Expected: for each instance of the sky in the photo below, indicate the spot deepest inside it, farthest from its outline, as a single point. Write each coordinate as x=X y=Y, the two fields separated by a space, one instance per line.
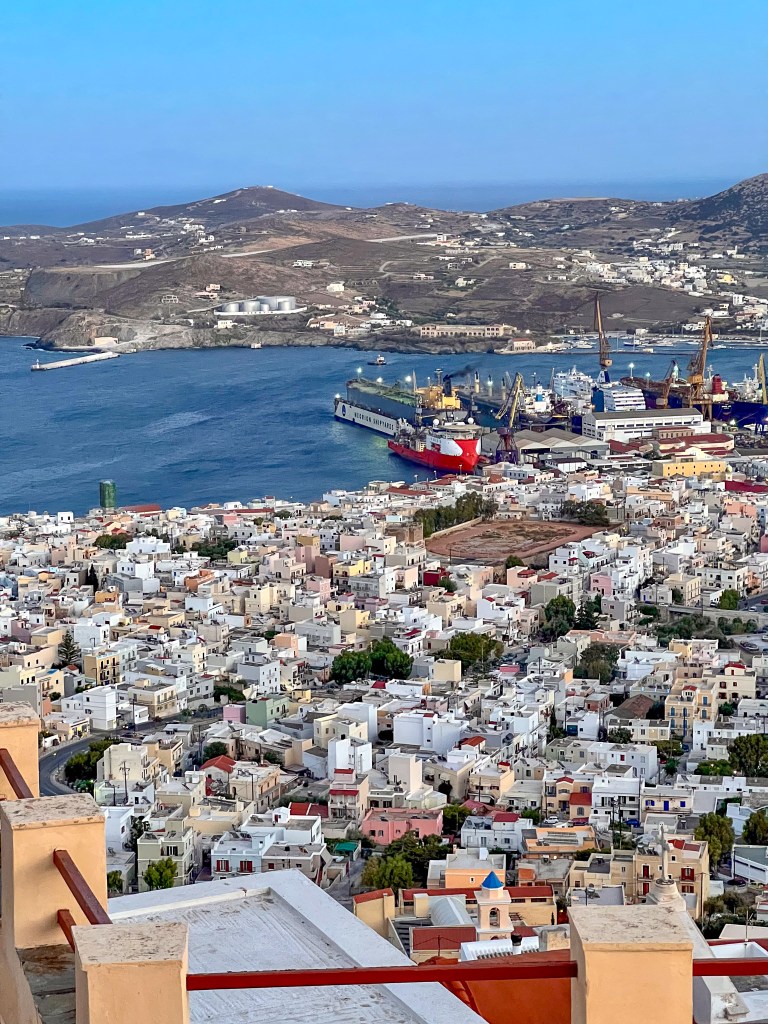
x=302 y=93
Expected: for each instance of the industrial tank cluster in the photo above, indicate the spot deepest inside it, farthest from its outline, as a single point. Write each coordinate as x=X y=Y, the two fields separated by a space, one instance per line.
x=261 y=304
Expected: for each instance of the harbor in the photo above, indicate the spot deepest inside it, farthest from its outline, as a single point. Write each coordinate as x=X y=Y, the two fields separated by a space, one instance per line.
x=61 y=364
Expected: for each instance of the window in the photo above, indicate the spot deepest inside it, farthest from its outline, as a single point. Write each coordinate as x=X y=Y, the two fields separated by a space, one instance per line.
x=222 y=865
x=246 y=865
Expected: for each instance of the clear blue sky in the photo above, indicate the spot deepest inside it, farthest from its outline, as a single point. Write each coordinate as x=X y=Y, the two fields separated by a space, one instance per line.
x=302 y=92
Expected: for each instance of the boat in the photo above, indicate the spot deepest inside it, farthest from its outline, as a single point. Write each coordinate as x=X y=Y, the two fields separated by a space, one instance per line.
x=445 y=449
x=572 y=384
x=378 y=361
x=383 y=408
x=255 y=344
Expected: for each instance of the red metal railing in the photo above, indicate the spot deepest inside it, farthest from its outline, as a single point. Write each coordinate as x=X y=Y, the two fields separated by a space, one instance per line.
x=477 y=970
x=14 y=776
x=84 y=895
x=518 y=970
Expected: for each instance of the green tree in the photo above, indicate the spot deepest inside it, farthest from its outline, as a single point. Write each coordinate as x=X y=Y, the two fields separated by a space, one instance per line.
x=718 y=768
x=620 y=735
x=727 y=710
x=388 y=873
x=677 y=595
x=513 y=561
x=92 y=579
x=272 y=758
x=388 y=661
x=749 y=755
x=586 y=617
x=532 y=813
x=215 y=749
x=598 y=662
x=449 y=585
x=113 y=541
x=670 y=767
x=465 y=508
x=233 y=695
x=160 y=874
x=755 y=831
x=82 y=766
x=138 y=827
x=454 y=816
x=559 y=617
x=350 y=665
x=69 y=652
x=216 y=549
x=418 y=853
x=717 y=831
x=588 y=513
x=115 y=883
x=473 y=649
x=729 y=600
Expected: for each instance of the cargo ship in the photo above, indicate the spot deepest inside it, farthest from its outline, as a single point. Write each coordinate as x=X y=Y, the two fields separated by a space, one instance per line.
x=444 y=449
x=384 y=408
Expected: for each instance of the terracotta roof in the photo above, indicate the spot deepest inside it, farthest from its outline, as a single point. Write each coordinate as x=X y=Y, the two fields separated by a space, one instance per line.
x=222 y=762
x=364 y=897
x=450 y=937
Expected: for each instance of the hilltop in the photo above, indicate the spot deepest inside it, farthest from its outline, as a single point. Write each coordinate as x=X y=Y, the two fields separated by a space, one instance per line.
x=142 y=276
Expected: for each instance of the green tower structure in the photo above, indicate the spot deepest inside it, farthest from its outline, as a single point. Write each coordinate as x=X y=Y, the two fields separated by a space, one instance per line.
x=107 y=494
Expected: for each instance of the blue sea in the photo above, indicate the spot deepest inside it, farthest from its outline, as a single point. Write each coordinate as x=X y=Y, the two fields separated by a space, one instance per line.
x=193 y=426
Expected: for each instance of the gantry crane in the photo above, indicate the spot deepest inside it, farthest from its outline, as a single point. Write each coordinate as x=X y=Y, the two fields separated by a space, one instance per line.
x=605 y=352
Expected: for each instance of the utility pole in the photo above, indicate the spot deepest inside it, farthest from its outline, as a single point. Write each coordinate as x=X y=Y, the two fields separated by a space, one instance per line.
x=125 y=769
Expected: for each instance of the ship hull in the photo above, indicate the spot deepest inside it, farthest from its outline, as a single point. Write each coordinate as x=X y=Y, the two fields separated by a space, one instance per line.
x=442 y=463
x=348 y=412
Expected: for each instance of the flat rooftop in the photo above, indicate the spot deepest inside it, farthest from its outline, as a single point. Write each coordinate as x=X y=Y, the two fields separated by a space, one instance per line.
x=282 y=921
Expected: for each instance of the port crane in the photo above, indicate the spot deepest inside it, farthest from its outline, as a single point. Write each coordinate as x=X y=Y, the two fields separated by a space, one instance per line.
x=507 y=449
x=696 y=370
x=761 y=378
x=605 y=352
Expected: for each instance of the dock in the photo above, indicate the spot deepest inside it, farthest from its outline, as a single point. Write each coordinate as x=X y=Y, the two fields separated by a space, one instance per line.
x=60 y=364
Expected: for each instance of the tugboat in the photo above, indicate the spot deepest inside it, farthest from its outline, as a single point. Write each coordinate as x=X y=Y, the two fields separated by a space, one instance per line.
x=446 y=448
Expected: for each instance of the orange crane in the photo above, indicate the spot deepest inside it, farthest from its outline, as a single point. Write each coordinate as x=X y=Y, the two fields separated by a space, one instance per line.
x=696 y=370
x=605 y=352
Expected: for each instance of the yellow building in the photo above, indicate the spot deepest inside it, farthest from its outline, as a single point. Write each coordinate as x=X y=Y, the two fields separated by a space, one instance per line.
x=688 y=467
x=102 y=668
x=689 y=701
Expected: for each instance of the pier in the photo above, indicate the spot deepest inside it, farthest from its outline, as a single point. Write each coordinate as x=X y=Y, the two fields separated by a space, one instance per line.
x=60 y=364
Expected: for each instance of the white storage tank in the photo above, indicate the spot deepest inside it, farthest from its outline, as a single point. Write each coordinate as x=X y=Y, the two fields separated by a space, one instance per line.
x=265 y=307
x=285 y=306
x=250 y=306
x=230 y=307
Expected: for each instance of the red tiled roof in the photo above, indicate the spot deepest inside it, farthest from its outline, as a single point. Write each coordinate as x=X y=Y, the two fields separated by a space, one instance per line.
x=515 y=891
x=222 y=762
x=364 y=897
x=581 y=798
x=308 y=810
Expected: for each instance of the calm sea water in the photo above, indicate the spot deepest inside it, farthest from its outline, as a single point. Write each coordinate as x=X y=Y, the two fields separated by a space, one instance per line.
x=62 y=207
x=187 y=427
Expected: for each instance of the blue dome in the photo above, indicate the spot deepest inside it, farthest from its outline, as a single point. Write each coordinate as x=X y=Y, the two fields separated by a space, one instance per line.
x=492 y=882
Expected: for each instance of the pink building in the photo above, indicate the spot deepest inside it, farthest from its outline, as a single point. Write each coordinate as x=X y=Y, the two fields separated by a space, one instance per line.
x=384 y=825
x=601 y=583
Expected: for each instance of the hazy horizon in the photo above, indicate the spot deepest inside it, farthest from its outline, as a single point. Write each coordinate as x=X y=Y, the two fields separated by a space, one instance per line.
x=61 y=207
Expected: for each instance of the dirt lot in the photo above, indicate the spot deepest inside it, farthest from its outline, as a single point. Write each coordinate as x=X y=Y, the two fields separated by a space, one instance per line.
x=491 y=543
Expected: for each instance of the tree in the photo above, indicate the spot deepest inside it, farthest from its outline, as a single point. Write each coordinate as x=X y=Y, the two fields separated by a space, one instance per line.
x=92 y=579
x=587 y=614
x=717 y=831
x=513 y=561
x=115 y=883
x=388 y=873
x=160 y=874
x=215 y=749
x=749 y=755
x=418 y=853
x=718 y=768
x=729 y=600
x=755 y=831
x=465 y=508
x=677 y=595
x=532 y=813
x=620 y=735
x=559 y=617
x=727 y=710
x=388 y=661
x=82 y=766
x=589 y=513
x=454 y=816
x=272 y=758
x=350 y=665
x=449 y=585
x=113 y=541
x=138 y=827
x=69 y=652
x=473 y=648
x=598 y=662
x=670 y=767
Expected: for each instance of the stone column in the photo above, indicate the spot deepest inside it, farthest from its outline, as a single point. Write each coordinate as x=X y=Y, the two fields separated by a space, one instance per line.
x=19 y=728
x=131 y=972
x=634 y=965
x=33 y=890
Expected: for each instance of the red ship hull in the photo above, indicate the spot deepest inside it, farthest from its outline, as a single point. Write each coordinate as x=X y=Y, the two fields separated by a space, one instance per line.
x=434 y=457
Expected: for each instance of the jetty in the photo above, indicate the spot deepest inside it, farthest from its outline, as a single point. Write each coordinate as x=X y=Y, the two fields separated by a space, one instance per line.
x=60 y=364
